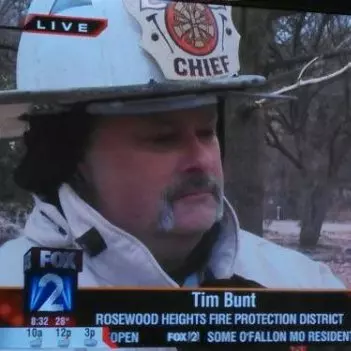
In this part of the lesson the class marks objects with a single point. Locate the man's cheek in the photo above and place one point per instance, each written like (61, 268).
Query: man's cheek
(218, 171)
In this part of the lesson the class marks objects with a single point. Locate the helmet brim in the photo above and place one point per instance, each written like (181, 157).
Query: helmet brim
(130, 92)
(15, 103)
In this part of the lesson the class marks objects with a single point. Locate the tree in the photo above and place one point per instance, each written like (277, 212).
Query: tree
(11, 13)
(314, 132)
(10, 150)
(244, 165)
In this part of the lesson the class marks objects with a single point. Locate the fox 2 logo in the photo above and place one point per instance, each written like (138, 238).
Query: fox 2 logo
(50, 292)
(57, 259)
(191, 336)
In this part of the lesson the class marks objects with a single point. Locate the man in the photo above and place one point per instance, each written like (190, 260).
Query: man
(138, 185)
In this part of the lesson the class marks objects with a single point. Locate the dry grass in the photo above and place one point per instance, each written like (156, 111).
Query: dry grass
(334, 249)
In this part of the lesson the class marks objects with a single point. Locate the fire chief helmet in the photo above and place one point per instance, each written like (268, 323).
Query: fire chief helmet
(144, 44)
(143, 56)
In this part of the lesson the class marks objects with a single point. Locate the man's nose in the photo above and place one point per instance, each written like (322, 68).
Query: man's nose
(197, 154)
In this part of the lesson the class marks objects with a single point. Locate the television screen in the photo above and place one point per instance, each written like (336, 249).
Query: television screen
(151, 150)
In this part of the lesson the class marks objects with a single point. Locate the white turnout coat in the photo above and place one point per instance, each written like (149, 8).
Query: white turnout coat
(127, 262)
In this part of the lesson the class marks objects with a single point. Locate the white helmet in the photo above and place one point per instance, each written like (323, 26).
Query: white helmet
(163, 52)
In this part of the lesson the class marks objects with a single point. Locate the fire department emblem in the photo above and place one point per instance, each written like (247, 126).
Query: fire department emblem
(188, 40)
(192, 27)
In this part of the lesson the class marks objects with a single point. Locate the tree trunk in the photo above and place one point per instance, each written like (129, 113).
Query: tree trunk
(245, 131)
(315, 198)
(244, 168)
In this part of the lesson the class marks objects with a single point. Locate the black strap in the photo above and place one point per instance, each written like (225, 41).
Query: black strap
(199, 255)
(235, 281)
(92, 242)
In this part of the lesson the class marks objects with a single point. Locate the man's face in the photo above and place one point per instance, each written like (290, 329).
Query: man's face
(158, 176)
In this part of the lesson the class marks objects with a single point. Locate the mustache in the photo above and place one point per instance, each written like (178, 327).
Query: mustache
(198, 182)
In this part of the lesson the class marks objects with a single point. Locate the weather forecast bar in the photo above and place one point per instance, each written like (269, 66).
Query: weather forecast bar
(42, 338)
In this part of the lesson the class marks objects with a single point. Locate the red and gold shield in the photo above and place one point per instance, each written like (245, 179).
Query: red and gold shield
(192, 27)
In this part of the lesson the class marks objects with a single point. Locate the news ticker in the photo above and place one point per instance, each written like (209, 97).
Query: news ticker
(51, 303)
(51, 338)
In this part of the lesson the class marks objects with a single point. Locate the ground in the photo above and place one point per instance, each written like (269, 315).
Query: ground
(334, 246)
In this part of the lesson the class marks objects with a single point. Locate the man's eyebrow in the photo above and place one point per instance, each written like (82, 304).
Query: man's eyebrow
(168, 121)
(212, 117)
(163, 120)
(158, 122)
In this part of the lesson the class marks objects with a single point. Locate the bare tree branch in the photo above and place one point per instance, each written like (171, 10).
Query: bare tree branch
(345, 146)
(273, 47)
(344, 149)
(342, 128)
(344, 42)
(298, 146)
(324, 22)
(303, 83)
(14, 28)
(275, 15)
(8, 47)
(331, 166)
(290, 74)
(6, 6)
(276, 143)
(284, 121)
(306, 67)
(288, 62)
(298, 29)
(303, 105)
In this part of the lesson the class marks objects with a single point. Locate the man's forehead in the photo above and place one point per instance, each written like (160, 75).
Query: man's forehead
(199, 115)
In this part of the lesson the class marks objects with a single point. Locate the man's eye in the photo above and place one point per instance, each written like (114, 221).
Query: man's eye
(172, 138)
(164, 138)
